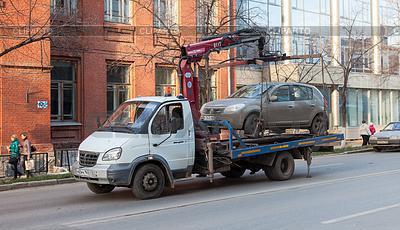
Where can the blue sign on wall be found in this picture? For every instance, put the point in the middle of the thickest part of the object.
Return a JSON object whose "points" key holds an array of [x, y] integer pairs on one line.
{"points": [[42, 104]]}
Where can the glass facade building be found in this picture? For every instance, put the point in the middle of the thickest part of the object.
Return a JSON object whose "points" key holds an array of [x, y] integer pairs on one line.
{"points": [[374, 88]]}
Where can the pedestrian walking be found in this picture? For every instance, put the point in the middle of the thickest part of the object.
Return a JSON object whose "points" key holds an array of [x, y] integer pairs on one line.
{"points": [[372, 129], [14, 155], [26, 154], [365, 133]]}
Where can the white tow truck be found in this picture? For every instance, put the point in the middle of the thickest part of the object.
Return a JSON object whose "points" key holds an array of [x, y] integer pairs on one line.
{"points": [[149, 143]]}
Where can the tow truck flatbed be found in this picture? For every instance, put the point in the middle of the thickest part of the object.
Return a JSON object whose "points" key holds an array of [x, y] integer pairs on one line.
{"points": [[238, 153]]}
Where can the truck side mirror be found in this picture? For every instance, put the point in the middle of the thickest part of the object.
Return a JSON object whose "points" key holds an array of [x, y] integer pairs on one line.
{"points": [[273, 98]]}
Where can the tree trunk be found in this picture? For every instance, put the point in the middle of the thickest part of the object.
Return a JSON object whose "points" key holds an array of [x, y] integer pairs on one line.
{"points": [[344, 98]]}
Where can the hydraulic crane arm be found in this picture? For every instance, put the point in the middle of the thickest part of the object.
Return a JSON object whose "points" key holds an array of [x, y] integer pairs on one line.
{"points": [[194, 53]]}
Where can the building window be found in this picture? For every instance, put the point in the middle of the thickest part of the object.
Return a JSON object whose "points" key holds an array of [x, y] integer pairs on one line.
{"points": [[118, 86], [165, 13], [213, 82], [117, 11], [67, 7], [207, 16], [165, 80], [63, 90]]}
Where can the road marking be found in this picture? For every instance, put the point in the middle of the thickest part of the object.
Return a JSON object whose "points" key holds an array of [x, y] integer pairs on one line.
{"points": [[327, 165], [355, 215], [281, 189]]}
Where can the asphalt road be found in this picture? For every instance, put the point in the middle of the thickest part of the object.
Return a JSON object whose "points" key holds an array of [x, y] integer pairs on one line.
{"points": [[359, 191]]}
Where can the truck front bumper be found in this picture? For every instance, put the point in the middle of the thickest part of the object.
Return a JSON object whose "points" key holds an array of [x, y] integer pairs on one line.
{"points": [[113, 174]]}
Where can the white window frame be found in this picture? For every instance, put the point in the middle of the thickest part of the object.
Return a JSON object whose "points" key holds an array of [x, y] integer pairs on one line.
{"points": [[204, 5], [122, 18], [70, 7], [117, 87], [161, 89], [171, 19]]}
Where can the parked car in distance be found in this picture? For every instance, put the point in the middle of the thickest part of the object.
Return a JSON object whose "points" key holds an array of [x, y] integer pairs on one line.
{"points": [[284, 106], [388, 138]]}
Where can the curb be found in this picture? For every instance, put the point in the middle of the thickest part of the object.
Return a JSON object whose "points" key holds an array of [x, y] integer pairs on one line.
{"points": [[358, 151], [32, 184]]}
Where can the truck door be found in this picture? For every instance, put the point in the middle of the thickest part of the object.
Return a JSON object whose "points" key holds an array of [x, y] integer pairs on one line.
{"points": [[169, 137]]}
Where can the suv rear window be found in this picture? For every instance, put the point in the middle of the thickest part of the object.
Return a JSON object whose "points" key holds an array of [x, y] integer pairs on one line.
{"points": [[302, 93]]}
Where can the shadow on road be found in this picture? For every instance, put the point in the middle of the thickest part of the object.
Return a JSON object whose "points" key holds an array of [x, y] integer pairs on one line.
{"points": [[199, 186]]}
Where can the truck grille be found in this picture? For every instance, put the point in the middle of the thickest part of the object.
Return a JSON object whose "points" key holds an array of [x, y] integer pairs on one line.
{"points": [[88, 159], [214, 110]]}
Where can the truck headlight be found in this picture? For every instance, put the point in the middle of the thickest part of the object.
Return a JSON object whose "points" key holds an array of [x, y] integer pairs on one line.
{"points": [[112, 154], [234, 108], [373, 138], [394, 137]]}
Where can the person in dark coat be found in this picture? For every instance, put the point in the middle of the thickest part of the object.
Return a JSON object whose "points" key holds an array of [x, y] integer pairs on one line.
{"points": [[14, 155]]}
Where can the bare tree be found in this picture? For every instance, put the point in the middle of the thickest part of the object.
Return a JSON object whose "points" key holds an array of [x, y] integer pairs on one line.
{"points": [[24, 22], [357, 48], [212, 17]]}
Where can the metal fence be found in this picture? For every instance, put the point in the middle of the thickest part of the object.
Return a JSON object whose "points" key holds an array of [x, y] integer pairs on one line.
{"points": [[41, 164], [65, 158]]}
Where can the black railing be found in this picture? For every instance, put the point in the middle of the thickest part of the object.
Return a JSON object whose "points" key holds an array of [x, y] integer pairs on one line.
{"points": [[65, 158], [41, 164]]}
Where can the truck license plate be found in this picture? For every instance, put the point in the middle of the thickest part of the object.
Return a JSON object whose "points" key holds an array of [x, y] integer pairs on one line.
{"points": [[383, 142], [86, 173]]}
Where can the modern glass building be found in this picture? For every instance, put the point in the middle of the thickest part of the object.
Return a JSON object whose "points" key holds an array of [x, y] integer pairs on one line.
{"points": [[356, 33]]}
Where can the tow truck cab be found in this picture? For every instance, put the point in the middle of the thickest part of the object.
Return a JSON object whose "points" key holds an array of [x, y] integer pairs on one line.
{"points": [[148, 130]]}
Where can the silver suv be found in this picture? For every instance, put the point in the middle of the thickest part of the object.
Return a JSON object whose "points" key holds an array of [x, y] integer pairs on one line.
{"points": [[285, 106]]}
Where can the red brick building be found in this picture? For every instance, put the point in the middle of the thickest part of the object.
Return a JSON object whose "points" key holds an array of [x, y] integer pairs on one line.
{"points": [[24, 73], [100, 54]]}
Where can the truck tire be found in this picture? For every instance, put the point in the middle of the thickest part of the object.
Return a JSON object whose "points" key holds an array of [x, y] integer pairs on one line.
{"points": [[235, 172], [377, 149], [283, 167], [148, 182], [319, 125], [100, 188]]}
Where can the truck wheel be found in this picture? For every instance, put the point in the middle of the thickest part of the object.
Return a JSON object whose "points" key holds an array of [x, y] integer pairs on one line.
{"points": [[100, 188], [319, 125], [376, 149], [250, 124], [283, 167], [235, 172], [148, 182]]}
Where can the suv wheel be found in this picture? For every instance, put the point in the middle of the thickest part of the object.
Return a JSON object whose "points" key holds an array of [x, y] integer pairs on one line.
{"points": [[250, 124], [319, 125]]}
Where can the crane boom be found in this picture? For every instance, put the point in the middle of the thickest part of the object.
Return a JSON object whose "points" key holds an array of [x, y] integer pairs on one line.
{"points": [[196, 52]]}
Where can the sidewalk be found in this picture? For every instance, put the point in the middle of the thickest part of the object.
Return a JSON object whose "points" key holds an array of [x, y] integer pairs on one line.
{"points": [[8, 184]]}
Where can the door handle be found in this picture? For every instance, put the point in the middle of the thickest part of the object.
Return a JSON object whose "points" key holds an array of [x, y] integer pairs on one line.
{"points": [[178, 142], [290, 106], [312, 106]]}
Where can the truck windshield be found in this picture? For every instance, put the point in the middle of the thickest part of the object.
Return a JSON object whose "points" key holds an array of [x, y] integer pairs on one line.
{"points": [[251, 91], [130, 117]]}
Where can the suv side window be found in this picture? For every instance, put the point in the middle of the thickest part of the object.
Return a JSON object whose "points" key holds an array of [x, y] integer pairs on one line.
{"points": [[168, 119], [302, 93], [281, 94]]}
